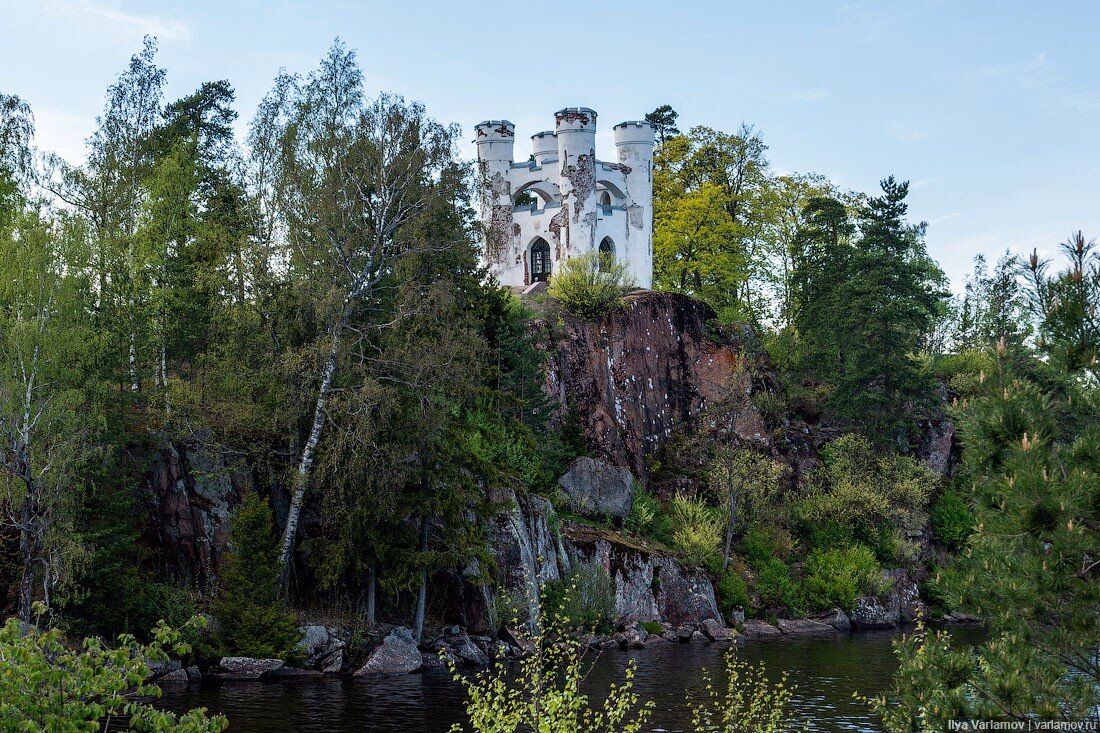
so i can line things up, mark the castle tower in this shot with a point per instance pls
(581, 204)
(634, 144)
(575, 129)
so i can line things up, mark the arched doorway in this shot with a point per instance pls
(607, 253)
(540, 261)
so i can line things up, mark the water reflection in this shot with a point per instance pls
(826, 673)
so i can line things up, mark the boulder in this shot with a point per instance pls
(698, 638)
(175, 677)
(469, 652)
(322, 648)
(194, 674)
(835, 618)
(804, 627)
(715, 631)
(754, 629)
(396, 655)
(871, 613)
(519, 639)
(597, 489)
(246, 668)
(900, 605)
(429, 661)
(634, 638)
(959, 617)
(160, 670)
(656, 639)
(684, 633)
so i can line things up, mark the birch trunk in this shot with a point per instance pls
(29, 548)
(422, 593)
(372, 601)
(305, 464)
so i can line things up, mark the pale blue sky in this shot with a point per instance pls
(990, 109)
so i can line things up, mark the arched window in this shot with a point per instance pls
(605, 200)
(607, 253)
(540, 261)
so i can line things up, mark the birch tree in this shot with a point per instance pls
(353, 174)
(41, 415)
(110, 192)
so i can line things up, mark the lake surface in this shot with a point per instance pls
(826, 673)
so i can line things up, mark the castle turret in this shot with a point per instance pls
(634, 143)
(576, 135)
(544, 145)
(495, 141)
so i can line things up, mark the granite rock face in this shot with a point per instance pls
(648, 586)
(190, 491)
(594, 488)
(645, 371)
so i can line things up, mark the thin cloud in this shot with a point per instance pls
(111, 15)
(946, 217)
(1038, 75)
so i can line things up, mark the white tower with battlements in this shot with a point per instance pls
(581, 203)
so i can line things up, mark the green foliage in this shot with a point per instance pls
(48, 686)
(952, 519)
(867, 306)
(652, 627)
(589, 284)
(648, 518)
(1031, 459)
(860, 493)
(697, 530)
(1006, 678)
(776, 587)
(749, 702)
(733, 591)
(252, 616)
(585, 600)
(542, 692)
(835, 577)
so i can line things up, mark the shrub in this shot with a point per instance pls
(763, 542)
(748, 702)
(584, 600)
(254, 619)
(952, 520)
(733, 591)
(776, 587)
(834, 578)
(542, 691)
(46, 685)
(862, 489)
(652, 627)
(590, 284)
(697, 533)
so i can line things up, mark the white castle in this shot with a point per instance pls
(581, 204)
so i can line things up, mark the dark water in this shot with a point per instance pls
(826, 672)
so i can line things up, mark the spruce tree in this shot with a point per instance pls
(253, 617)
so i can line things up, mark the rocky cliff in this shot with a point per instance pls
(531, 544)
(651, 369)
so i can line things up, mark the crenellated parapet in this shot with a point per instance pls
(581, 203)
